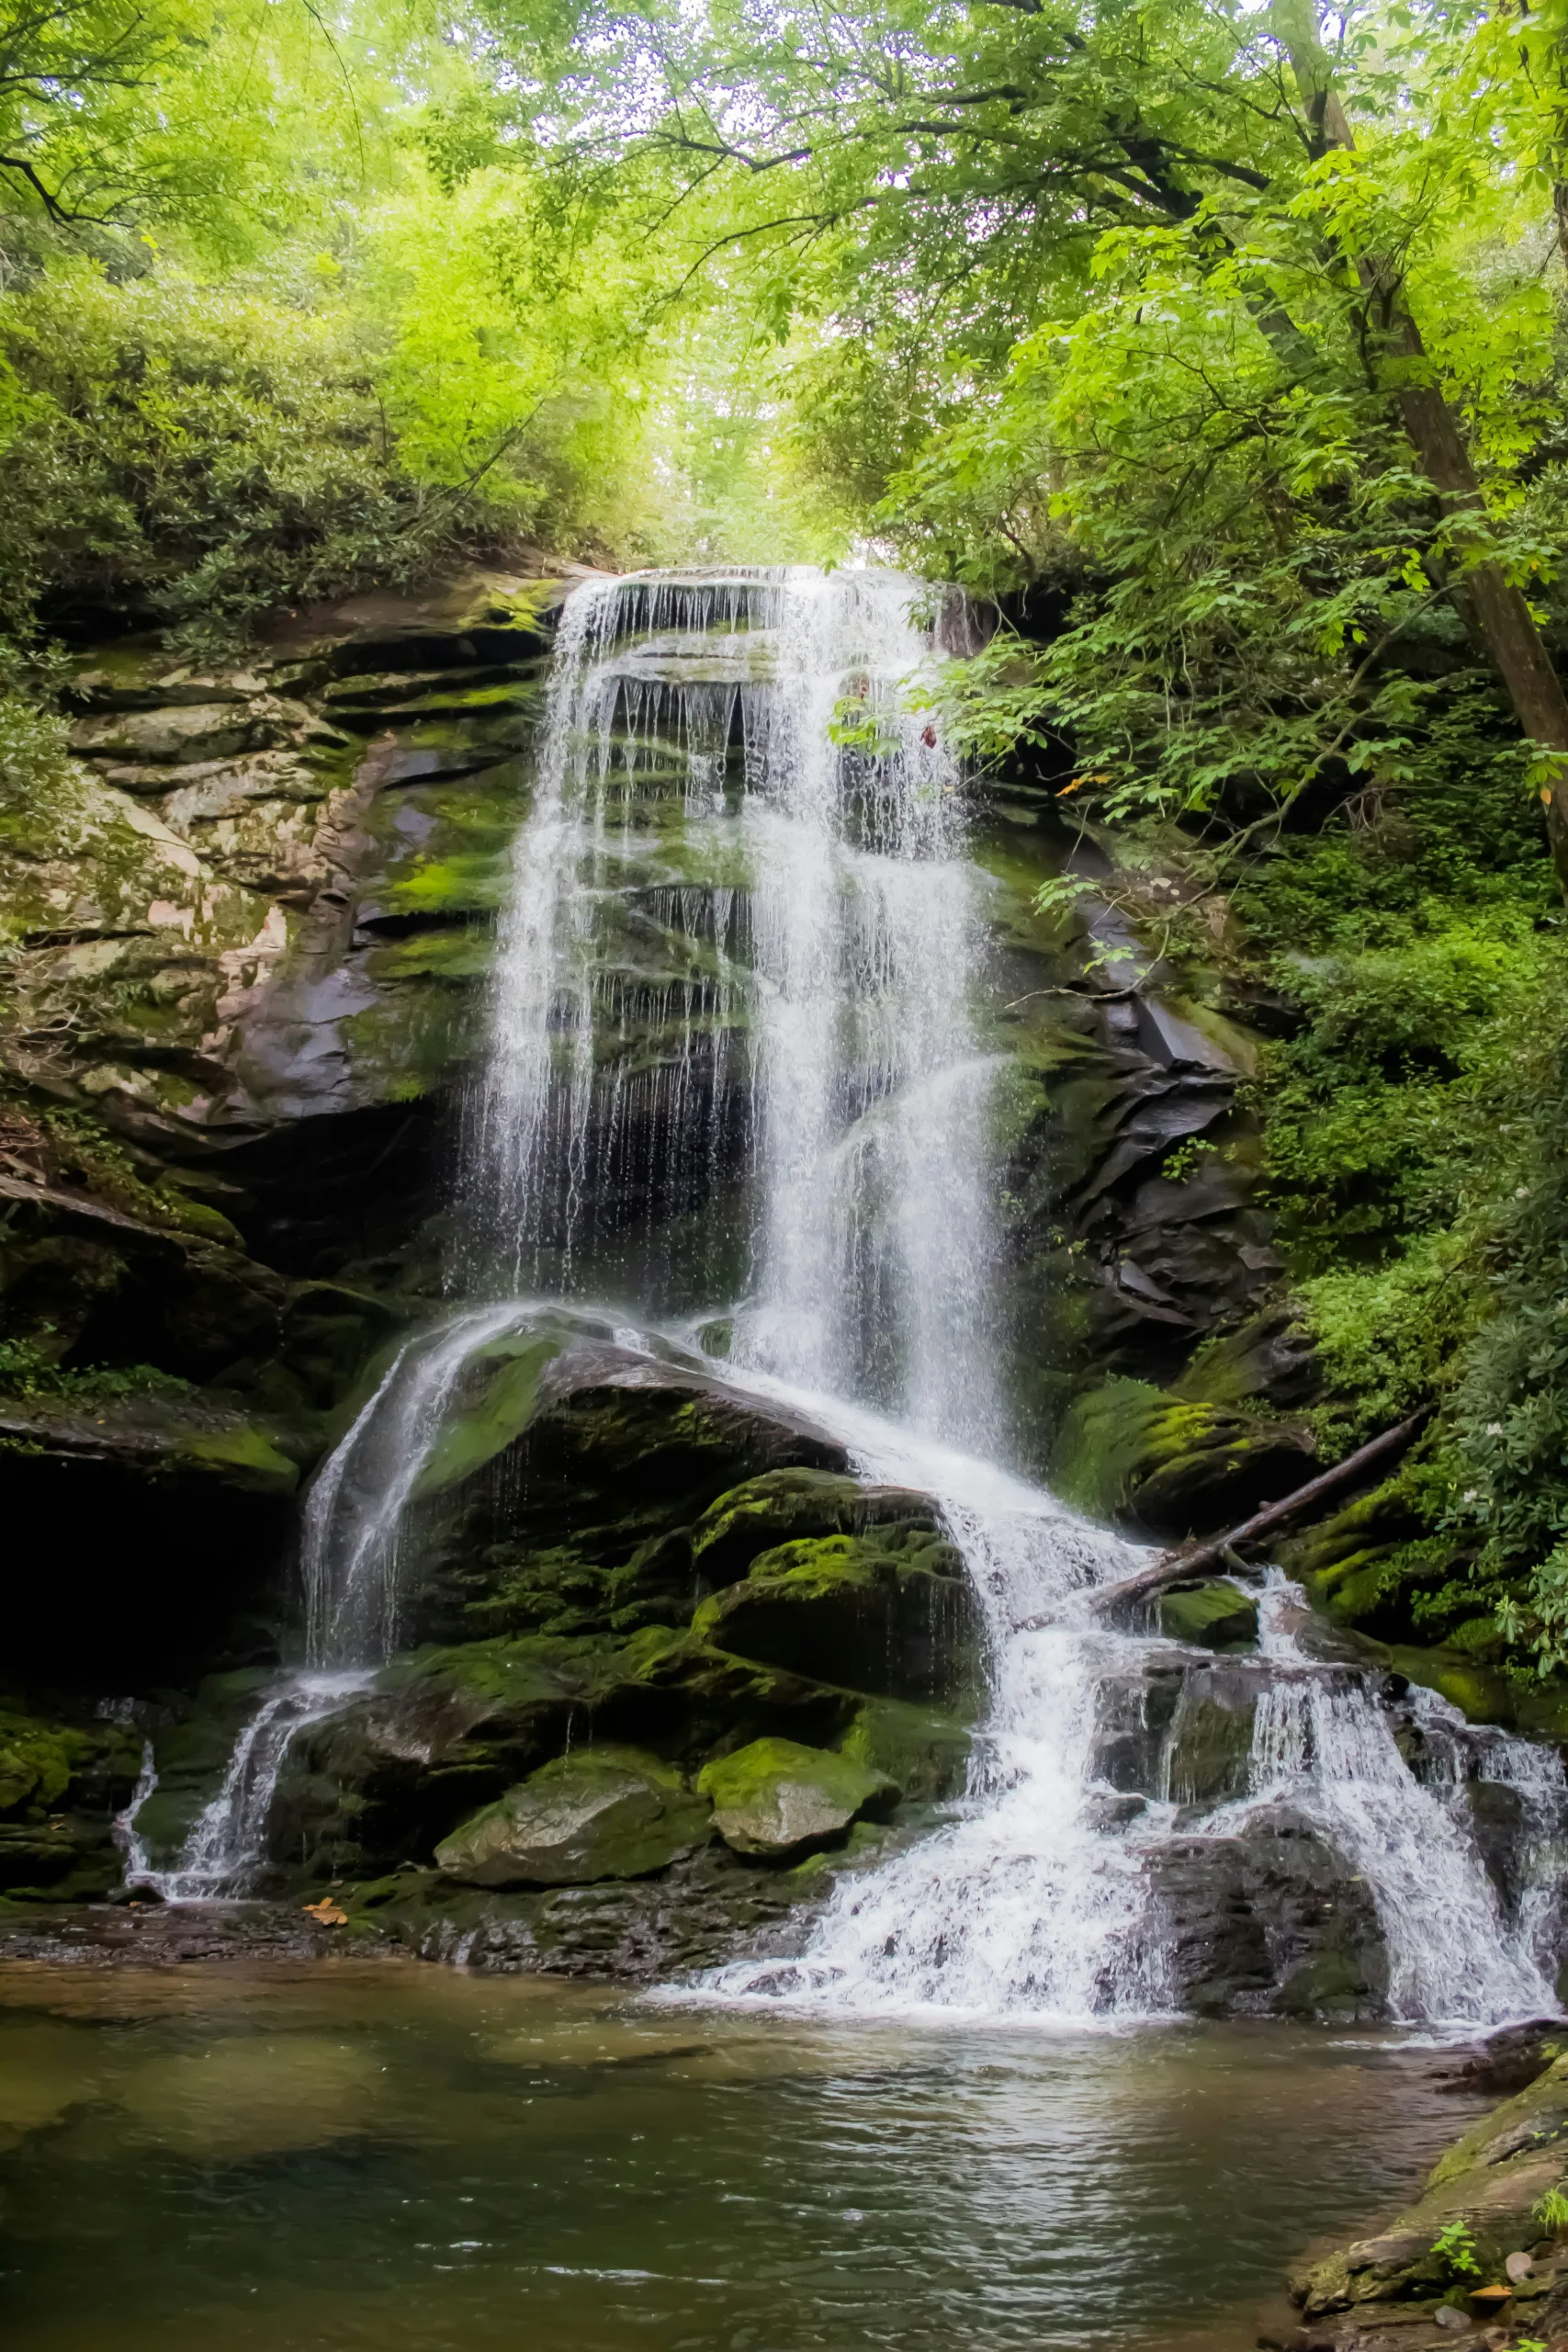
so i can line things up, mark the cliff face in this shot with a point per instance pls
(243, 927)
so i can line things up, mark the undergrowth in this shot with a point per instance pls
(27, 1370)
(1416, 1141)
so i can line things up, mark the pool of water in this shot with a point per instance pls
(415, 2160)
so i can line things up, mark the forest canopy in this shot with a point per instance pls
(1237, 331)
(1217, 350)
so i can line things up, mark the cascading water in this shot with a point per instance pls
(823, 1004)
(738, 1075)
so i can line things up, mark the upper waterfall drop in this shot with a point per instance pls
(753, 737)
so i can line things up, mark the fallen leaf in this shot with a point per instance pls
(325, 1913)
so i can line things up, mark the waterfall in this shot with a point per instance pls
(738, 1079)
(1322, 1741)
(351, 1559)
(833, 1006)
(1022, 1906)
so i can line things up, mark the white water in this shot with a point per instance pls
(1323, 1743)
(808, 938)
(227, 1843)
(872, 1248)
(1020, 1906)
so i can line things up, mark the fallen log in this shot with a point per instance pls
(1176, 1567)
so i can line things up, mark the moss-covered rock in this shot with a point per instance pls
(1213, 1614)
(925, 1749)
(776, 1799)
(60, 1783)
(569, 1507)
(796, 1504)
(1175, 1465)
(879, 1611)
(1490, 2184)
(600, 1814)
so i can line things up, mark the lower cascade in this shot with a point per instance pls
(736, 1143)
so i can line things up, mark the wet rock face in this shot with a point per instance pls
(259, 901)
(1270, 1921)
(868, 1609)
(1135, 1228)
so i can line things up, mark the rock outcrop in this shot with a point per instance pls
(1486, 2243)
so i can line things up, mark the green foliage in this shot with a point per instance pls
(1552, 2212)
(27, 1370)
(289, 307)
(1510, 1400)
(1455, 2247)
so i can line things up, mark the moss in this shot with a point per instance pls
(925, 1749)
(478, 1433)
(40, 1760)
(1214, 1615)
(247, 1456)
(463, 883)
(782, 1504)
(1179, 1465)
(456, 956)
(877, 1612)
(775, 1797)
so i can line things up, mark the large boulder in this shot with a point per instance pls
(602, 1813)
(1174, 1464)
(775, 1799)
(796, 1504)
(880, 1612)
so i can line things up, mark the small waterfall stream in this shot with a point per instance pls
(745, 834)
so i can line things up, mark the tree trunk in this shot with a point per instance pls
(1502, 616)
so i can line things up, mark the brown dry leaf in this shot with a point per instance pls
(325, 1913)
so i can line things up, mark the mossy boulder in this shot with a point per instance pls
(925, 1749)
(59, 1784)
(607, 1813)
(879, 1612)
(565, 1496)
(775, 1799)
(1213, 1614)
(793, 1505)
(1174, 1465)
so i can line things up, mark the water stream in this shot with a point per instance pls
(747, 835)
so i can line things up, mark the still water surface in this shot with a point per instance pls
(406, 2158)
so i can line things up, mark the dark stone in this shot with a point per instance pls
(1269, 1922)
(865, 1610)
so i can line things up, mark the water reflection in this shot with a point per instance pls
(410, 2159)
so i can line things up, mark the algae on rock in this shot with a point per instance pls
(776, 1799)
(604, 1812)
